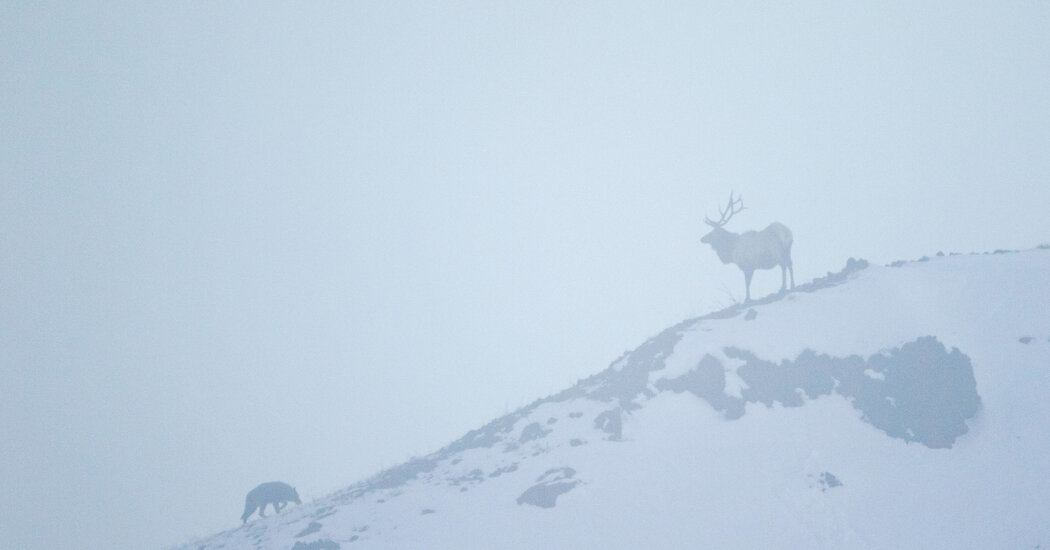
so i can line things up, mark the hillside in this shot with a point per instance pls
(897, 406)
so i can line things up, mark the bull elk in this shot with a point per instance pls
(751, 250)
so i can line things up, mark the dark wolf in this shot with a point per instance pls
(274, 492)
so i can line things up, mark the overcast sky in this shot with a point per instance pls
(304, 242)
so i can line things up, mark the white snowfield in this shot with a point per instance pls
(882, 407)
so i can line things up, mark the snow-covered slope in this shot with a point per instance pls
(879, 407)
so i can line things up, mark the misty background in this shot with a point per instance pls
(242, 242)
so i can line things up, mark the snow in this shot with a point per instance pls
(681, 473)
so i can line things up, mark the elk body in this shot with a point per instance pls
(751, 250)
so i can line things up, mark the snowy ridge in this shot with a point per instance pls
(879, 407)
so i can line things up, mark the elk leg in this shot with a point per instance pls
(791, 268)
(747, 285)
(783, 278)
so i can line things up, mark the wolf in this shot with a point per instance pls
(273, 492)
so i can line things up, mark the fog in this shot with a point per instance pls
(245, 243)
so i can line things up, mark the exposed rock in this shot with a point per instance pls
(828, 481)
(550, 486)
(611, 423)
(531, 432)
(309, 530)
(918, 392)
(504, 470)
(322, 544)
(707, 381)
(471, 477)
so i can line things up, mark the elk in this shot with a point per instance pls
(751, 250)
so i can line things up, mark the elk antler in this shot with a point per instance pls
(730, 210)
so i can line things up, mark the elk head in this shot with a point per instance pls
(720, 239)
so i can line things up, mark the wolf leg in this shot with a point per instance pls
(262, 510)
(278, 506)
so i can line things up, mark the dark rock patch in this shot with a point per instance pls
(707, 381)
(399, 475)
(810, 375)
(853, 265)
(532, 432)
(576, 442)
(552, 484)
(322, 544)
(504, 470)
(1025, 339)
(310, 529)
(545, 495)
(488, 435)
(917, 392)
(473, 476)
(926, 394)
(828, 481)
(426, 511)
(557, 473)
(575, 414)
(610, 422)
(628, 377)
